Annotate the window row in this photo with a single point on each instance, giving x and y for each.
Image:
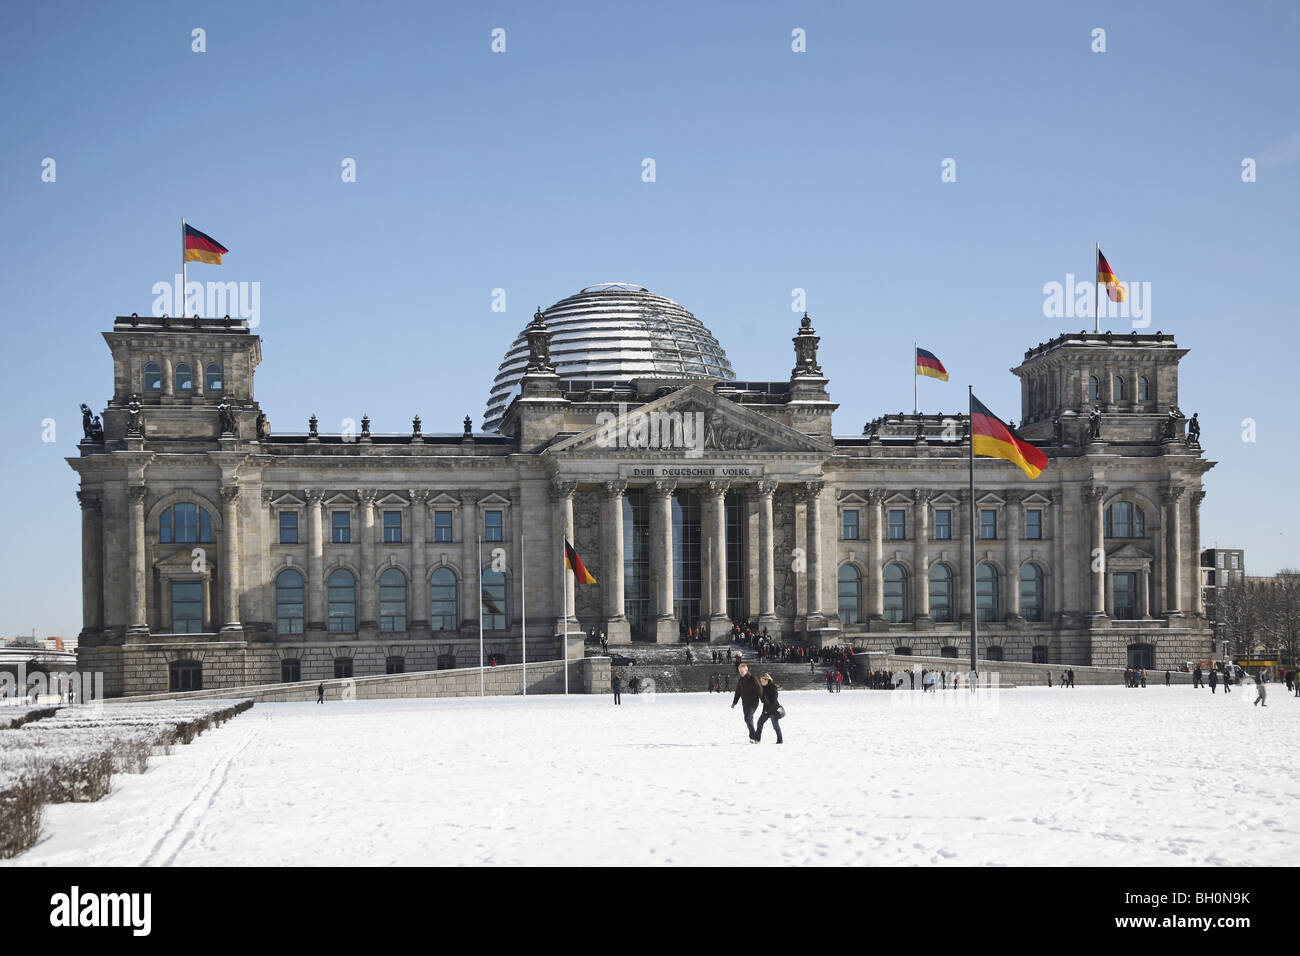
(897, 593)
(341, 527)
(341, 601)
(183, 378)
(1119, 389)
(896, 526)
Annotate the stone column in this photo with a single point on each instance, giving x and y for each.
(419, 560)
(813, 498)
(92, 589)
(920, 557)
(137, 602)
(876, 554)
(1095, 496)
(965, 575)
(1015, 518)
(1144, 593)
(562, 495)
(369, 611)
(1198, 604)
(766, 559)
(1173, 549)
(230, 558)
(315, 589)
(661, 559)
(715, 493)
(617, 628)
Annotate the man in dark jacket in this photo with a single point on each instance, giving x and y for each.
(749, 690)
(618, 689)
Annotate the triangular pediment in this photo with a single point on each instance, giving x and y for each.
(690, 418)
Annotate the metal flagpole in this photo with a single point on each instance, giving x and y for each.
(916, 401)
(523, 622)
(970, 532)
(1096, 293)
(565, 611)
(184, 271)
(480, 616)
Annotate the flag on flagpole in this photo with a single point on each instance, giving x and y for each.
(200, 247)
(927, 363)
(574, 564)
(1106, 276)
(993, 439)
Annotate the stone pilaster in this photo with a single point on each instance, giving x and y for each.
(1173, 549)
(715, 494)
(137, 603)
(1014, 524)
(921, 558)
(766, 560)
(562, 493)
(617, 628)
(1094, 495)
(92, 547)
(661, 559)
(1198, 603)
(419, 561)
(230, 561)
(369, 612)
(315, 585)
(876, 555)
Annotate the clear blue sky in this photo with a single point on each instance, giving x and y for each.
(522, 170)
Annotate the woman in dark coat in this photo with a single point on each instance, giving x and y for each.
(770, 708)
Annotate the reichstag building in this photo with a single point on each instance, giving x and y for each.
(217, 551)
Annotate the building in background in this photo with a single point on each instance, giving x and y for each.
(218, 552)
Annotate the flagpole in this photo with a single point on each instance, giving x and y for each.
(1096, 292)
(523, 609)
(970, 530)
(916, 401)
(184, 270)
(480, 616)
(565, 610)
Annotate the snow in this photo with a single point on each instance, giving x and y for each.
(1094, 775)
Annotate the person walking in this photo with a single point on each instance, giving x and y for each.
(1166, 678)
(1214, 681)
(771, 709)
(1260, 693)
(1196, 676)
(618, 689)
(1227, 681)
(320, 693)
(750, 691)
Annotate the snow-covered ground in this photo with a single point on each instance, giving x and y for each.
(1095, 775)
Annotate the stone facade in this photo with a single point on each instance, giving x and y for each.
(217, 550)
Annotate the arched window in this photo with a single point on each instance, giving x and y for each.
(850, 600)
(184, 675)
(941, 592)
(442, 601)
(1144, 389)
(895, 593)
(184, 378)
(1124, 519)
(986, 593)
(152, 377)
(1121, 389)
(290, 670)
(1094, 389)
(395, 665)
(212, 378)
(1031, 592)
(342, 601)
(494, 601)
(392, 600)
(184, 523)
(288, 602)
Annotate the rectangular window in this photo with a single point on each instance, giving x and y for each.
(492, 526)
(288, 527)
(851, 525)
(187, 607)
(988, 524)
(1234, 559)
(1220, 560)
(943, 524)
(897, 524)
(341, 527)
(392, 527)
(1034, 524)
(442, 526)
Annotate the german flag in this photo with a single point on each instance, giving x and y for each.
(200, 247)
(927, 363)
(1106, 276)
(993, 439)
(574, 564)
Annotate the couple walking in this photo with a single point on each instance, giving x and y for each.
(753, 691)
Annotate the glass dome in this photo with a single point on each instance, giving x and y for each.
(614, 331)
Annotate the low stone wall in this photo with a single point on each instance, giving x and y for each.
(589, 675)
(1019, 673)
